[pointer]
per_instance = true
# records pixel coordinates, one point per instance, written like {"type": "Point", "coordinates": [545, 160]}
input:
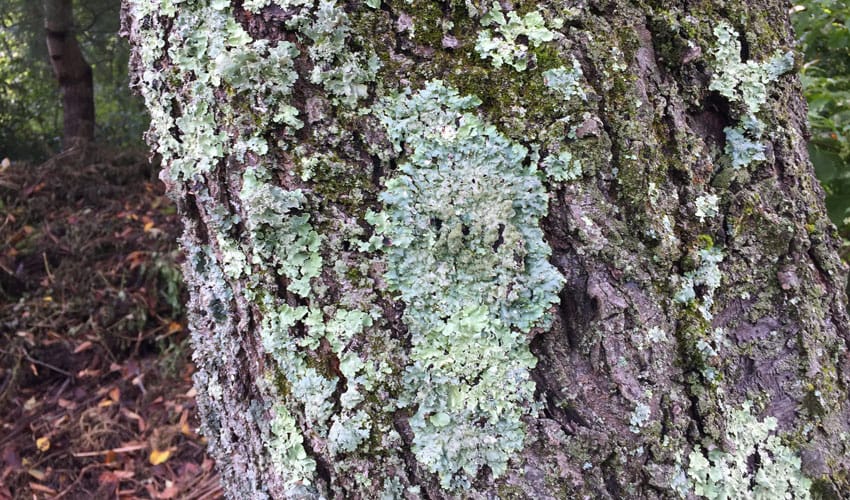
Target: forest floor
{"type": "Point", "coordinates": [96, 397]}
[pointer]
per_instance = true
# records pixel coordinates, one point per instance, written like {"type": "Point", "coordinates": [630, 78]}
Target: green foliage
{"type": "Point", "coordinates": [823, 27]}
{"type": "Point", "coordinates": [30, 101]}
{"type": "Point", "coordinates": [30, 109]}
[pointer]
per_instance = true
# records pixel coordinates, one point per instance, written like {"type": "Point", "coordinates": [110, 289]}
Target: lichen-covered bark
{"type": "Point", "coordinates": [385, 305]}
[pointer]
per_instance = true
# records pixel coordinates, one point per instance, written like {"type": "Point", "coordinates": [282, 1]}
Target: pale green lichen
{"type": "Point", "coordinates": [706, 206]}
{"type": "Point", "coordinates": [222, 98]}
{"type": "Point", "coordinates": [468, 259]}
{"type": "Point", "coordinates": [287, 449]}
{"type": "Point", "coordinates": [347, 433]}
{"type": "Point", "coordinates": [282, 235]}
{"type": "Point", "coordinates": [639, 417]}
{"type": "Point", "coordinates": [745, 83]}
{"type": "Point", "coordinates": [257, 75]}
{"type": "Point", "coordinates": [254, 72]}
{"type": "Point", "coordinates": [707, 277]}
{"type": "Point", "coordinates": [503, 44]}
{"type": "Point", "coordinates": [743, 143]}
{"type": "Point", "coordinates": [562, 167]}
{"type": "Point", "coordinates": [656, 335]}
{"type": "Point", "coordinates": [343, 72]}
{"type": "Point", "coordinates": [754, 464]}
{"type": "Point", "coordinates": [740, 81]}
{"type": "Point", "coordinates": [566, 83]}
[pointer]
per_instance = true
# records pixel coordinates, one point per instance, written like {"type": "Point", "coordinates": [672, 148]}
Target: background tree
{"type": "Point", "coordinates": [72, 72]}
{"type": "Point", "coordinates": [30, 101]}
{"type": "Point", "coordinates": [470, 249]}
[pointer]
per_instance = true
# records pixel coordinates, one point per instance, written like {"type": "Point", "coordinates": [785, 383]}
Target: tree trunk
{"type": "Point", "coordinates": [518, 250]}
{"type": "Point", "coordinates": [72, 72]}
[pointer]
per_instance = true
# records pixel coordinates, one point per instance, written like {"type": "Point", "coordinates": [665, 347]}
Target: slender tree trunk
{"type": "Point", "coordinates": [467, 249]}
{"type": "Point", "coordinates": [72, 72]}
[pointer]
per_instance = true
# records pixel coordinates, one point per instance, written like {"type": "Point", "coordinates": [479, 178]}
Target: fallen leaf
{"type": "Point", "coordinates": [158, 457]}
{"type": "Point", "coordinates": [43, 443]}
{"type": "Point", "coordinates": [66, 404]}
{"type": "Point", "coordinates": [135, 416]}
{"type": "Point", "coordinates": [30, 404]}
{"type": "Point", "coordinates": [83, 347]}
{"type": "Point", "coordinates": [115, 394]}
{"type": "Point", "coordinates": [37, 473]}
{"type": "Point", "coordinates": [174, 327]}
{"type": "Point", "coordinates": [42, 488]}
{"type": "Point", "coordinates": [184, 424]}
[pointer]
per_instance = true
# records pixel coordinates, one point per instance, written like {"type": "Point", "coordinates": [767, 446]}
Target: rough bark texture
{"type": "Point", "coordinates": [72, 72]}
{"type": "Point", "coordinates": [701, 321]}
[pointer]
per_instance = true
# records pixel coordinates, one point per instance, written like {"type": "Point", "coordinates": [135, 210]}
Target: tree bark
{"type": "Point", "coordinates": [383, 304]}
{"type": "Point", "coordinates": [72, 72]}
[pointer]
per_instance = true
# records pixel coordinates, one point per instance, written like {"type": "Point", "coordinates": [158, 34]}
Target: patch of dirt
{"type": "Point", "coordinates": [96, 398]}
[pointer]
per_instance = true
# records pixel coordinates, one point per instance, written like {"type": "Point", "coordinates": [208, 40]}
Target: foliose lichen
{"type": "Point", "coordinates": [707, 277]}
{"type": "Point", "coordinates": [565, 82]}
{"type": "Point", "coordinates": [744, 83]}
{"type": "Point", "coordinates": [706, 206]}
{"type": "Point", "coordinates": [467, 257]}
{"type": "Point", "coordinates": [195, 128]}
{"type": "Point", "coordinates": [287, 449]}
{"type": "Point", "coordinates": [562, 167]}
{"type": "Point", "coordinates": [504, 45]}
{"type": "Point", "coordinates": [753, 463]}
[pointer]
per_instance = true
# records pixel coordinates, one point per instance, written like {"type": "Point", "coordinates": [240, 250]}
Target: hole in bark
{"type": "Point", "coordinates": [709, 121]}
{"type": "Point", "coordinates": [745, 45]}
{"type": "Point", "coordinates": [609, 472]}
{"type": "Point", "coordinates": [500, 239]}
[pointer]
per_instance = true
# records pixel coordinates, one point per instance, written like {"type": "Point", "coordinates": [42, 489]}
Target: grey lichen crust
{"type": "Point", "coordinates": [467, 257]}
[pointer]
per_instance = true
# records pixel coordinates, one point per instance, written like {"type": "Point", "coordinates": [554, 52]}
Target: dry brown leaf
{"type": "Point", "coordinates": [66, 404]}
{"type": "Point", "coordinates": [37, 473]}
{"type": "Point", "coordinates": [83, 347]}
{"type": "Point", "coordinates": [173, 327]}
{"type": "Point", "coordinates": [42, 488]}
